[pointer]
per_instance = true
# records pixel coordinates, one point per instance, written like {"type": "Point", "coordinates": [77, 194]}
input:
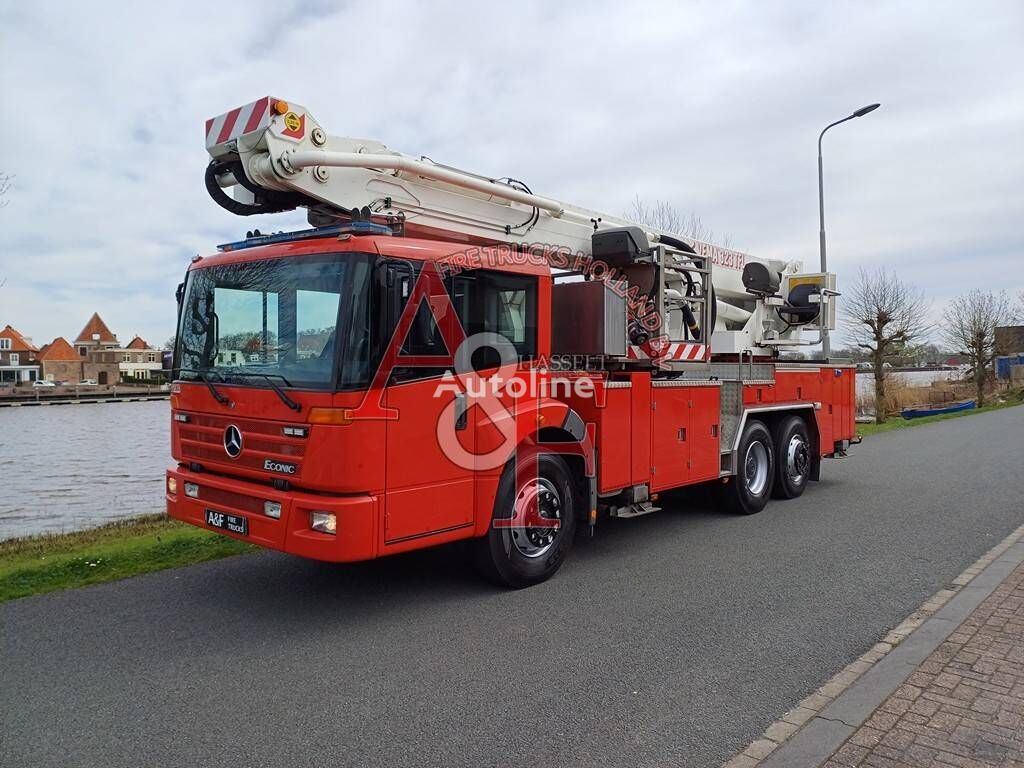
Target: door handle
{"type": "Point", "coordinates": [460, 411]}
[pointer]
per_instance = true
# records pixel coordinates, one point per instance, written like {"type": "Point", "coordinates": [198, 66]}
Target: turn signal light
{"type": "Point", "coordinates": [337, 416]}
{"type": "Point", "coordinates": [325, 522]}
{"type": "Point", "coordinates": [280, 107]}
{"type": "Point", "coordinates": [172, 486]}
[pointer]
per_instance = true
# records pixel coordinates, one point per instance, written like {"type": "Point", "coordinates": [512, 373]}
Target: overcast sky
{"type": "Point", "coordinates": [712, 106]}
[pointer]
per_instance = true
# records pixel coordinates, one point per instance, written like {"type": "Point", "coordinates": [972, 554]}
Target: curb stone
{"type": "Point", "coordinates": [810, 732]}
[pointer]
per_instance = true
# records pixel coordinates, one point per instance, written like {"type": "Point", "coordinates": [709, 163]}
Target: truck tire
{"type": "Point", "coordinates": [793, 458]}
{"type": "Point", "coordinates": [517, 557]}
{"type": "Point", "coordinates": [749, 490]}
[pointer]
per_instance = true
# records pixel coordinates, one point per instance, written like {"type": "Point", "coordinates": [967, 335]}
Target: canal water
{"type": "Point", "coordinates": [69, 467]}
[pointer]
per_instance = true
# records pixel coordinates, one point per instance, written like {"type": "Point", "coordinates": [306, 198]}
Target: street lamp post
{"type": "Point", "coordinates": [826, 347]}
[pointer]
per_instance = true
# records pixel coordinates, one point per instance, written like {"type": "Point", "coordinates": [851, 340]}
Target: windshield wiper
{"type": "Point", "coordinates": [209, 385]}
{"type": "Point", "coordinates": [270, 380]}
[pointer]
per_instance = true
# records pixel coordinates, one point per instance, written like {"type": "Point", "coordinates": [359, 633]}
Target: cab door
{"type": "Point", "coordinates": [427, 492]}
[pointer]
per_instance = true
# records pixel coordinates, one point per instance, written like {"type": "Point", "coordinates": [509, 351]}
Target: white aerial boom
{"type": "Point", "coordinates": [275, 156]}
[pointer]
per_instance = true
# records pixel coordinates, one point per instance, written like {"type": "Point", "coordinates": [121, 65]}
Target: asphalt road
{"type": "Point", "coordinates": [673, 639]}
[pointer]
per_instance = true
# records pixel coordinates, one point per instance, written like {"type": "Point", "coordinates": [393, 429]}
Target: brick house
{"type": "Point", "coordinates": [95, 336]}
{"type": "Point", "coordinates": [103, 365]}
{"type": "Point", "coordinates": [60, 362]}
{"type": "Point", "coordinates": [140, 361]}
{"type": "Point", "coordinates": [18, 362]}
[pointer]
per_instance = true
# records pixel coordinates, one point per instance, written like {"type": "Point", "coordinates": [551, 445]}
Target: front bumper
{"type": "Point", "coordinates": [357, 516]}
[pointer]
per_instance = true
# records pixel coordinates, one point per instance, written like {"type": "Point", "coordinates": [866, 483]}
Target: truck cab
{"type": "Point", "coordinates": [279, 359]}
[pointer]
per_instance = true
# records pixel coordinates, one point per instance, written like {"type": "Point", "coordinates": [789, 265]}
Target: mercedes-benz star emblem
{"type": "Point", "coordinates": [233, 441]}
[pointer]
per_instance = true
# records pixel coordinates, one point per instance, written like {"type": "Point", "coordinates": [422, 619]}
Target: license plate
{"type": "Point", "coordinates": [234, 523]}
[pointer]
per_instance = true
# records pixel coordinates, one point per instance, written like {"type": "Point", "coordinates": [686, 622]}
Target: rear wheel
{"type": "Point", "coordinates": [533, 525]}
{"type": "Point", "coordinates": [748, 491]}
{"type": "Point", "coordinates": [793, 464]}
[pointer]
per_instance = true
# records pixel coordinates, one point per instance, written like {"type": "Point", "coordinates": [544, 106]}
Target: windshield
{"type": "Point", "coordinates": [288, 319]}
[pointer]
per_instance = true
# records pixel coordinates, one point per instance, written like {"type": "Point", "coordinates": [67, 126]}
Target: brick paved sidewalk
{"type": "Point", "coordinates": [964, 706]}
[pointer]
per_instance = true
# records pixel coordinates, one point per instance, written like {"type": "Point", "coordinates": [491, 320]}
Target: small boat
{"type": "Point", "coordinates": [917, 413]}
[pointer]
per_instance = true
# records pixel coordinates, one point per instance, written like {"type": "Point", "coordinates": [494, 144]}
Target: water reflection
{"type": "Point", "coordinates": [68, 467]}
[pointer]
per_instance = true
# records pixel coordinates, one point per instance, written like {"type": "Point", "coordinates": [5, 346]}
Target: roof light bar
{"type": "Point", "coordinates": [352, 228]}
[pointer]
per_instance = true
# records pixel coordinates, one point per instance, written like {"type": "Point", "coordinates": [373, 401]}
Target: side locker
{"type": "Point", "coordinates": [842, 422]}
{"type": "Point", "coordinates": [670, 435]}
{"type": "Point", "coordinates": [705, 432]}
{"type": "Point", "coordinates": [825, 414]}
{"type": "Point", "coordinates": [640, 429]}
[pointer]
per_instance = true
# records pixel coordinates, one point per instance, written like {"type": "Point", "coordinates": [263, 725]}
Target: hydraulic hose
{"type": "Point", "coordinates": [267, 201]}
{"type": "Point", "coordinates": [675, 242]}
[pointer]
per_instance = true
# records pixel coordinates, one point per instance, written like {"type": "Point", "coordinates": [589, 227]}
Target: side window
{"type": "Point", "coordinates": [509, 308]}
{"type": "Point", "coordinates": [423, 337]}
{"type": "Point", "coordinates": [485, 302]}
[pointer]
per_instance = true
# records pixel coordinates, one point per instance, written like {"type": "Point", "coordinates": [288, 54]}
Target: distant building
{"type": "Point", "coordinates": [95, 355]}
{"type": "Point", "coordinates": [18, 355]}
{"type": "Point", "coordinates": [96, 335]}
{"type": "Point", "coordinates": [60, 362]}
{"type": "Point", "coordinates": [227, 358]}
{"type": "Point", "coordinates": [140, 361]}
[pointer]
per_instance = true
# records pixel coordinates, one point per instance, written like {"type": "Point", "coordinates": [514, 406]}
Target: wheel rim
{"type": "Point", "coordinates": [538, 540]}
{"type": "Point", "coordinates": [755, 465]}
{"type": "Point", "coordinates": [797, 460]}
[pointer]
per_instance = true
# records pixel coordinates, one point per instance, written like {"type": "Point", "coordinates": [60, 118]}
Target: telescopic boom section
{"type": "Point", "coordinates": [273, 156]}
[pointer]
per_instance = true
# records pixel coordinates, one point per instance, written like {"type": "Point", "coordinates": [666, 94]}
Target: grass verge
{"type": "Point", "coordinates": [898, 422]}
{"type": "Point", "coordinates": [39, 564]}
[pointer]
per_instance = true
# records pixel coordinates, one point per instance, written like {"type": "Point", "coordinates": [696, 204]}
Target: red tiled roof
{"type": "Point", "coordinates": [58, 350]}
{"type": "Point", "coordinates": [96, 326]}
{"type": "Point", "coordinates": [18, 342]}
{"type": "Point", "coordinates": [137, 343]}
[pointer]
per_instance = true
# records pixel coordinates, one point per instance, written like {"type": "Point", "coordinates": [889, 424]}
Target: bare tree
{"type": "Point", "coordinates": [665, 216]}
{"type": "Point", "coordinates": [1020, 307]}
{"type": "Point", "coordinates": [5, 187]}
{"type": "Point", "coordinates": [885, 316]}
{"type": "Point", "coordinates": [969, 326]}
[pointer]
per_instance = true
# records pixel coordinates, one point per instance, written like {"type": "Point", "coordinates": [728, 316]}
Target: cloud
{"type": "Point", "coordinates": [714, 107]}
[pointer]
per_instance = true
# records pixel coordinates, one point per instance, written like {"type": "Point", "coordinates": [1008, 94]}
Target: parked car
{"type": "Point", "coordinates": [42, 384]}
{"type": "Point", "coordinates": [87, 383]}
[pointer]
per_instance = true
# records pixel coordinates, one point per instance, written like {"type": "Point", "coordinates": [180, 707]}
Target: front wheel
{"type": "Point", "coordinates": [793, 467]}
{"type": "Point", "coordinates": [748, 491]}
{"type": "Point", "coordinates": [533, 525]}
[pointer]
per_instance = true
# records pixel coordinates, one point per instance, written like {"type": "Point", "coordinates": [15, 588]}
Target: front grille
{"type": "Point", "coordinates": [202, 440]}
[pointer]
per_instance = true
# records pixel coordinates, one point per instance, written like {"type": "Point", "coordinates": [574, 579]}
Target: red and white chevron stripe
{"type": "Point", "coordinates": [238, 122]}
{"type": "Point", "coordinates": [662, 351]}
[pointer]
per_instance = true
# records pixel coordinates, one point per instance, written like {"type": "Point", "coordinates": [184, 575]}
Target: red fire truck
{"type": "Point", "coordinates": [448, 356]}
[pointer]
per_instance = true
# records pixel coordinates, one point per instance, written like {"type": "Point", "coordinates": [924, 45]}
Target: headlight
{"type": "Point", "coordinates": [172, 485]}
{"type": "Point", "coordinates": [272, 509]}
{"type": "Point", "coordinates": [325, 522]}
{"type": "Point", "coordinates": [192, 490]}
